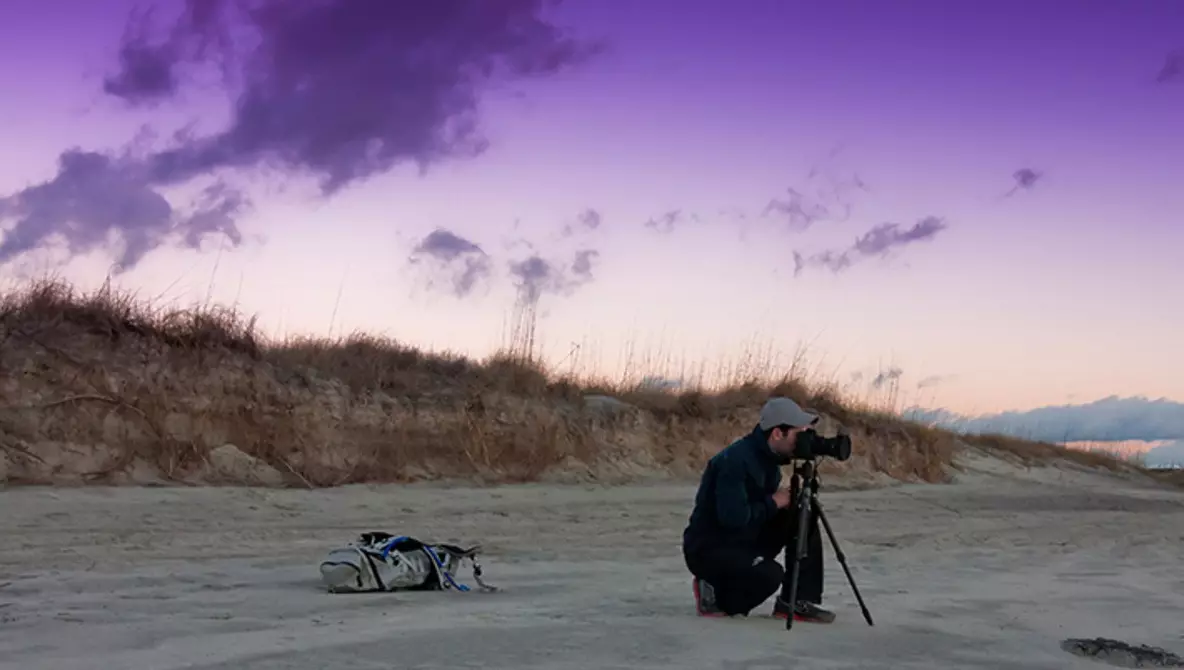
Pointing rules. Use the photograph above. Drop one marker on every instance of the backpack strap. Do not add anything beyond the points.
(462, 555)
(445, 576)
(369, 561)
(404, 543)
(477, 574)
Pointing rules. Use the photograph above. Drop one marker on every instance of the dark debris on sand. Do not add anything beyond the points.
(1122, 654)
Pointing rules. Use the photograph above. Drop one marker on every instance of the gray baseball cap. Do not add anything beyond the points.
(785, 412)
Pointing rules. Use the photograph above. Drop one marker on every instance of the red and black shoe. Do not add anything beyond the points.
(705, 599)
(804, 611)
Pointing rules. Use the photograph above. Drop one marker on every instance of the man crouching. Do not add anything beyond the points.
(741, 522)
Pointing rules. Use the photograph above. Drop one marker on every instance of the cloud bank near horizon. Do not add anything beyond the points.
(1110, 419)
(1169, 455)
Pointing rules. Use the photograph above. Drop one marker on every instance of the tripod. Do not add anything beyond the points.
(805, 487)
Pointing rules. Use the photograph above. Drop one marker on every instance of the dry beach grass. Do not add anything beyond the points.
(102, 387)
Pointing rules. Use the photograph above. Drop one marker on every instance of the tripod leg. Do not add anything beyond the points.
(867, 616)
(803, 507)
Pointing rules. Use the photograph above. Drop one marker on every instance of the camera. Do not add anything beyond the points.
(810, 445)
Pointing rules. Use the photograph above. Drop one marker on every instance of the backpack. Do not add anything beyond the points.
(379, 561)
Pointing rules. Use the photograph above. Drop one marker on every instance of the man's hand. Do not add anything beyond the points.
(781, 498)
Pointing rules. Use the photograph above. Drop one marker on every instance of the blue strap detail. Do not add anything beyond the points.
(440, 565)
(390, 545)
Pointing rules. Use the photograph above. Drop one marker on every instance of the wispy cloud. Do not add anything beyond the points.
(878, 241)
(933, 380)
(667, 221)
(886, 377)
(447, 261)
(588, 220)
(798, 210)
(536, 276)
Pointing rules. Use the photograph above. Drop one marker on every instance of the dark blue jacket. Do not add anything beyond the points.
(735, 496)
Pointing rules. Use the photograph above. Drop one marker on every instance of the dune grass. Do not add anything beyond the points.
(365, 408)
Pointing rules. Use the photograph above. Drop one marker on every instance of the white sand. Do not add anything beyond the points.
(991, 572)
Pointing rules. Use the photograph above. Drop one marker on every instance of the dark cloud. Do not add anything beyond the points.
(875, 242)
(444, 254)
(145, 74)
(1107, 420)
(346, 89)
(340, 90)
(95, 195)
(536, 276)
(1025, 179)
(1173, 68)
(148, 71)
(886, 236)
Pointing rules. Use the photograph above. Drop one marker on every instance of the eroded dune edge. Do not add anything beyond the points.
(103, 388)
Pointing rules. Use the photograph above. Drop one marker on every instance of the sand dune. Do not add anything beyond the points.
(992, 571)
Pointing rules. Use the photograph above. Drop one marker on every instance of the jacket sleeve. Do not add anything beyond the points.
(732, 508)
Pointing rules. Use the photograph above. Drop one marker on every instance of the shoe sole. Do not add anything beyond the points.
(699, 610)
(800, 618)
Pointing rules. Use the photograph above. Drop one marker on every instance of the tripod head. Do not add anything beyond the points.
(807, 472)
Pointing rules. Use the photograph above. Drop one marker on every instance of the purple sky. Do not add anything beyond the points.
(985, 198)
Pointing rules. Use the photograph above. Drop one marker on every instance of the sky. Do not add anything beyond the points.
(975, 204)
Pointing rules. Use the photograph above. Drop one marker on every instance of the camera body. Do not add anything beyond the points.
(810, 445)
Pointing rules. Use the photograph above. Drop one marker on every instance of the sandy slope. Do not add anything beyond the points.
(990, 572)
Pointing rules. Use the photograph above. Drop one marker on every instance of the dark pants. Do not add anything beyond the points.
(740, 586)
